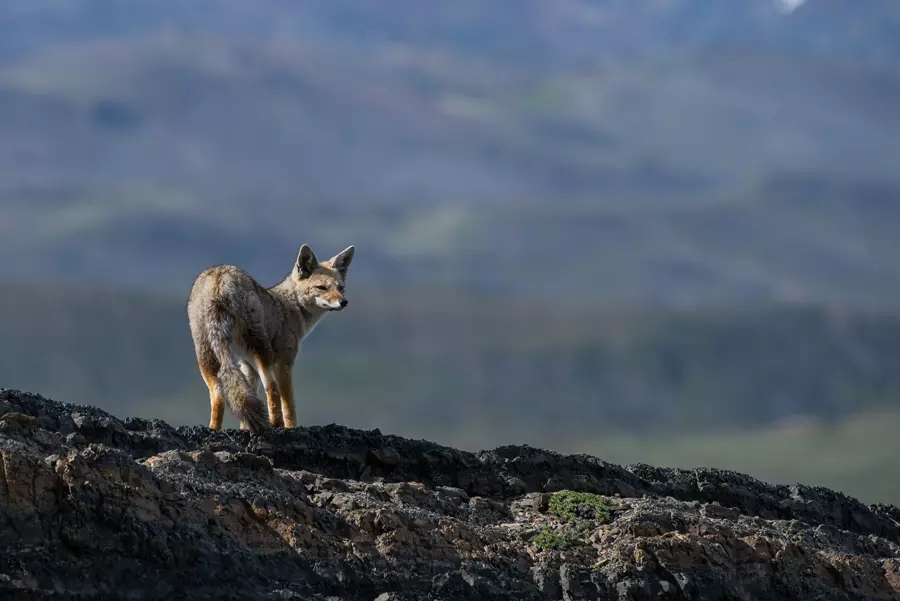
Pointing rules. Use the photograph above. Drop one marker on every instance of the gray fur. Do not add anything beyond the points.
(243, 332)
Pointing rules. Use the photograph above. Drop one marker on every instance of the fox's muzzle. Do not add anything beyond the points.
(331, 305)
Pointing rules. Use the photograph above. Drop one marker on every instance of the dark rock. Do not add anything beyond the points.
(93, 507)
(542, 502)
(547, 581)
(576, 582)
(714, 510)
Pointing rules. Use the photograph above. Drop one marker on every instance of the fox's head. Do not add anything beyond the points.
(320, 285)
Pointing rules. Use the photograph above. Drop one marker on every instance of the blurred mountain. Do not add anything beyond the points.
(667, 152)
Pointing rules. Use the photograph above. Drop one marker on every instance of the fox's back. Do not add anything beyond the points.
(223, 287)
(223, 282)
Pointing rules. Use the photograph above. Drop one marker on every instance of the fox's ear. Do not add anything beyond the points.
(306, 261)
(341, 261)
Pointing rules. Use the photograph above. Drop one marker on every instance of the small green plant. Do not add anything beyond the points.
(548, 539)
(578, 510)
(577, 507)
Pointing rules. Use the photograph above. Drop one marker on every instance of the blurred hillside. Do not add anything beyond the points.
(783, 392)
(453, 364)
(682, 151)
(577, 221)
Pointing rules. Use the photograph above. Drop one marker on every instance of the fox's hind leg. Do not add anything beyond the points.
(209, 368)
(216, 401)
(252, 377)
(250, 373)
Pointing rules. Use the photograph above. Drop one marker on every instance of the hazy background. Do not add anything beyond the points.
(656, 230)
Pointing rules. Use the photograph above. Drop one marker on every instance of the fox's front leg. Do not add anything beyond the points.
(286, 387)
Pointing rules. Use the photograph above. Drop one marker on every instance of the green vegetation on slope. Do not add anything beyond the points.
(575, 507)
(856, 455)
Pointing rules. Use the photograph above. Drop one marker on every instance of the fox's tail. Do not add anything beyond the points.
(239, 394)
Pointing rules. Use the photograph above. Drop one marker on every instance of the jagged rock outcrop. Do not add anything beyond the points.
(92, 507)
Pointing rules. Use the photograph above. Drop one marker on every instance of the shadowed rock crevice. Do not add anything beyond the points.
(94, 508)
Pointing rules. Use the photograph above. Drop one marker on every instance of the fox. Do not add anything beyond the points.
(244, 334)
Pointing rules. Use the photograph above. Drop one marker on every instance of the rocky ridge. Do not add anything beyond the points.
(93, 507)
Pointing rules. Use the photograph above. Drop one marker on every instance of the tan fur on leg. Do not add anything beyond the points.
(216, 402)
(273, 392)
(286, 387)
(217, 411)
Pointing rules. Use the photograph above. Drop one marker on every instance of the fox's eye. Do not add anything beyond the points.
(341, 289)
(321, 287)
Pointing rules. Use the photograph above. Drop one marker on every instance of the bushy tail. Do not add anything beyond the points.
(239, 394)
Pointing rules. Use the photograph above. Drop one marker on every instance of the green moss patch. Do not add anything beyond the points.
(550, 540)
(577, 507)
